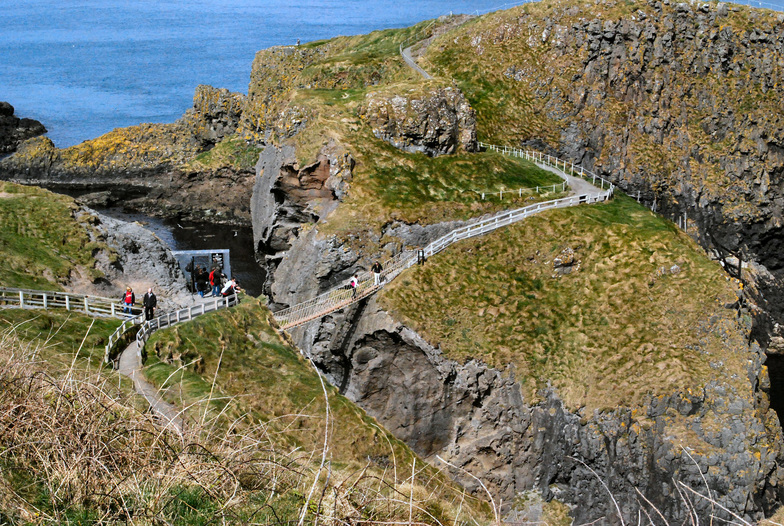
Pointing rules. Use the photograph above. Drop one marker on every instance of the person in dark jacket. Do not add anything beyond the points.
(128, 300)
(150, 302)
(376, 270)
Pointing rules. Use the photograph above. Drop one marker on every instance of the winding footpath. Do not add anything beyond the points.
(130, 365)
(582, 191)
(128, 362)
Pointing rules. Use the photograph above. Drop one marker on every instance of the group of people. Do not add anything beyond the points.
(149, 302)
(213, 282)
(218, 285)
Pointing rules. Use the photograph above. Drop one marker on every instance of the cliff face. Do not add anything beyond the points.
(679, 104)
(476, 418)
(151, 166)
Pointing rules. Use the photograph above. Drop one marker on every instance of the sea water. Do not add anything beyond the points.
(85, 67)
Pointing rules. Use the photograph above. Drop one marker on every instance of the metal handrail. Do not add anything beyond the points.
(340, 297)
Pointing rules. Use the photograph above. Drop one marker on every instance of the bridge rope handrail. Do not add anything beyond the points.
(341, 296)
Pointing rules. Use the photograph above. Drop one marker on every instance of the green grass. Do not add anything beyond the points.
(42, 242)
(608, 334)
(231, 152)
(61, 335)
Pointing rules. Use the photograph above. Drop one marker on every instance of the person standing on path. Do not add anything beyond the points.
(376, 270)
(215, 281)
(150, 302)
(128, 300)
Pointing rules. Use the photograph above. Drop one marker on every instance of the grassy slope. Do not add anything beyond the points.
(238, 361)
(605, 335)
(41, 242)
(63, 336)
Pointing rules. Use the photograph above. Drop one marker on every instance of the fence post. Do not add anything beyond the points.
(45, 302)
(86, 305)
(21, 298)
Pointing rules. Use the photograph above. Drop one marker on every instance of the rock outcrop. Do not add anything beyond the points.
(147, 168)
(139, 260)
(14, 131)
(287, 197)
(436, 122)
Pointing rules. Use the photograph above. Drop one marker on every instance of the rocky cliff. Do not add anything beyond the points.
(15, 130)
(476, 418)
(678, 103)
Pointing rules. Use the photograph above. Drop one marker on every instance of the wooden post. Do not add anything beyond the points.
(45, 301)
(86, 305)
(67, 302)
(21, 298)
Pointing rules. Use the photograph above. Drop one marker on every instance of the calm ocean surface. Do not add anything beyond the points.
(85, 67)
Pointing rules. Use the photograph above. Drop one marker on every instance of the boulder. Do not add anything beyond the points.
(438, 121)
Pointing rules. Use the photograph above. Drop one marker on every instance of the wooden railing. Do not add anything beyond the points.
(43, 299)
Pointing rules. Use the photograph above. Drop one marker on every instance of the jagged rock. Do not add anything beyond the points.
(141, 260)
(215, 114)
(437, 122)
(14, 131)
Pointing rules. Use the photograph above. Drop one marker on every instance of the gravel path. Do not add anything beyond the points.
(130, 366)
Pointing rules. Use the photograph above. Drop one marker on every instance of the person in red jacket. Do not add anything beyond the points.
(128, 300)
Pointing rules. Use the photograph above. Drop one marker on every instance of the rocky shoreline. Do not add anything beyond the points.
(14, 130)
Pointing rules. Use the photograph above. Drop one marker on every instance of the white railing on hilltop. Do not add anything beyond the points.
(43, 299)
(163, 321)
(340, 297)
(567, 167)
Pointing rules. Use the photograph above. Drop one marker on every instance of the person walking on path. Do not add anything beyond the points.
(376, 270)
(128, 300)
(354, 284)
(150, 302)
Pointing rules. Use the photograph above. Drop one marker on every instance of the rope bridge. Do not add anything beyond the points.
(341, 297)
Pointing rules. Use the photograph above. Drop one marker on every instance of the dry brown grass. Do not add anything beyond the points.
(76, 446)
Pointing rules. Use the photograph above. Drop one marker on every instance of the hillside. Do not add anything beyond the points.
(677, 102)
(634, 361)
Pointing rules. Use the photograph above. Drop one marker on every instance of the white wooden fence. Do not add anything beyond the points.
(341, 297)
(43, 299)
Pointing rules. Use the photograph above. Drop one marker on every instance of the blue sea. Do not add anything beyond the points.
(85, 67)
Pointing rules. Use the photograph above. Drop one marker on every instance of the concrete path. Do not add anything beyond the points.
(578, 185)
(406, 54)
(131, 366)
